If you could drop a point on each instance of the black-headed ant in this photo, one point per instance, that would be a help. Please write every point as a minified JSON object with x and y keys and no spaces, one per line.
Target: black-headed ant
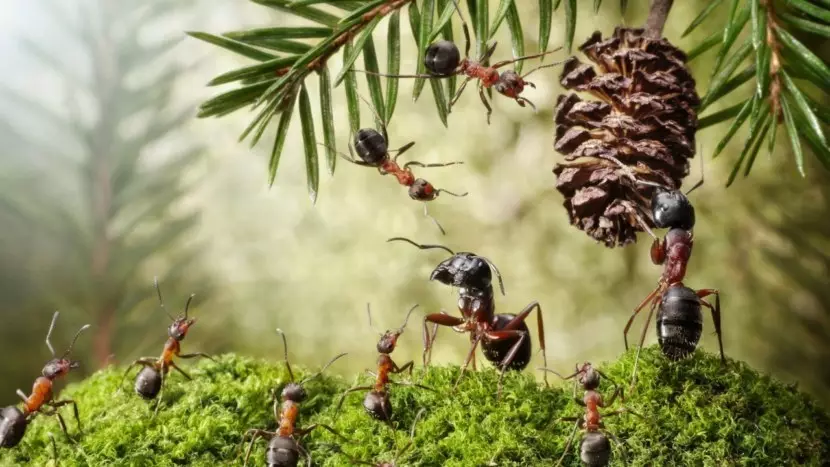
{"x":443,"y":60}
{"x":372,"y":147}
{"x":150,"y":380}
{"x":284,"y":449}
{"x":595,"y":448}
{"x":376,"y":402}
{"x":399,"y":452}
{"x":504,"y":337}
{"x":13,"y":421}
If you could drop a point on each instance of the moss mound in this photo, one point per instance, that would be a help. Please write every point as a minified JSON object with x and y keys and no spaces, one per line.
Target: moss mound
{"x":694,"y":413}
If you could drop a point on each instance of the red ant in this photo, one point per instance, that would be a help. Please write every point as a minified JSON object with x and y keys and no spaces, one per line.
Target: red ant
{"x":399,"y":452}
{"x":150,"y":380}
{"x":443,"y":60}
{"x":373,"y":150}
{"x":283,"y":449}
{"x":13,"y":421}
{"x":595,"y":447}
{"x":376,"y":402}
{"x":504,"y":337}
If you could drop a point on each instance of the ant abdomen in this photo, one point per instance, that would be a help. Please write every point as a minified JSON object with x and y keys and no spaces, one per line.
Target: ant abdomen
{"x":378,"y":405}
{"x":12,"y":426}
{"x":442,"y":58}
{"x":496,"y":351}
{"x":282,"y":452}
{"x":148,"y":383}
{"x":679,"y":322}
{"x":595,"y":449}
{"x":671,"y":208}
{"x":371,"y":146}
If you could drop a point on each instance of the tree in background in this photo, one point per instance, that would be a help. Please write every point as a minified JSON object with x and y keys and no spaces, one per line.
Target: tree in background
{"x":102,"y":211}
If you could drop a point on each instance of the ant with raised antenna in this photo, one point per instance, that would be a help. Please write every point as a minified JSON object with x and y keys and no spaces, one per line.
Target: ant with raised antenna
{"x":376,"y":402}
{"x":679,"y":317}
{"x":595,"y":448}
{"x":504,"y":337}
{"x":150,"y":380}
{"x":399,"y":451}
{"x":443,"y":60}
{"x":13,"y":421}
{"x":372,"y":148}
{"x":284,"y":449}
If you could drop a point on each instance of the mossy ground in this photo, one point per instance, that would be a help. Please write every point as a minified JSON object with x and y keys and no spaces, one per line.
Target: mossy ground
{"x":695,"y":413}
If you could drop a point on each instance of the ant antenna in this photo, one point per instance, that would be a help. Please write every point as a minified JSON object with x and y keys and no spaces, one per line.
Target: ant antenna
{"x":406,"y":320}
{"x":285,"y":350}
{"x":434,"y":220}
{"x":371,"y":324}
{"x":700,"y":182}
{"x":498,"y":274}
{"x":49,"y":333}
{"x":465,"y":28}
{"x":315,"y":375}
{"x":378,"y":120}
{"x":419,"y":246}
{"x":74,"y":339}
{"x":161,"y":302}
{"x":187,"y":305}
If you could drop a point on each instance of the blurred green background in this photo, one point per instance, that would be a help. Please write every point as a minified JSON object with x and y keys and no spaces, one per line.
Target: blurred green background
{"x":107,"y":180}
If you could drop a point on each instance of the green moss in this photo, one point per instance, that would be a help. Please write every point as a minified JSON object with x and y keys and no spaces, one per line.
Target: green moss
{"x":695,"y":413}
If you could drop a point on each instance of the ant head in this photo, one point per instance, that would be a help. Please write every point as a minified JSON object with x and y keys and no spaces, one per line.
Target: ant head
{"x":588,"y":377}
{"x":371,"y":146}
{"x":179,"y":327}
{"x":510,"y":84}
{"x":671,"y":208}
{"x":442,"y":58}
{"x":389,"y":339}
{"x":422,"y":190}
{"x":466,"y":270}
{"x":293,"y":392}
{"x":60,"y":366}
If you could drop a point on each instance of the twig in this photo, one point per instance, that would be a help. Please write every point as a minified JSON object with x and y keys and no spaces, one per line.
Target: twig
{"x":657,"y":17}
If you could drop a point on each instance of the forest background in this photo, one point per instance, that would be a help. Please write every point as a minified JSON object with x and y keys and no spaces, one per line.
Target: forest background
{"x":107,"y":180}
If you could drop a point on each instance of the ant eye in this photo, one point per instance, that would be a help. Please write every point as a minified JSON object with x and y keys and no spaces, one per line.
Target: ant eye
{"x":442,"y":58}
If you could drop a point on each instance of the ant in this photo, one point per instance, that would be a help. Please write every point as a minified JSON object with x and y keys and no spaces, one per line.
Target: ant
{"x":13,"y":421}
{"x":399,"y":452}
{"x":679,"y":317}
{"x":283,"y":449}
{"x":504,"y":338}
{"x":595,"y":447}
{"x":150,"y":380}
{"x":443,"y":60}
{"x":376,"y":402}
{"x":373,"y":149}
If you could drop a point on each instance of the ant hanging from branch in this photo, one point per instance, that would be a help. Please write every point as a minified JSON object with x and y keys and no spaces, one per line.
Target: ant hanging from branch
{"x":284,"y":448}
{"x":595,"y":448}
{"x":373,"y":150}
{"x":504,"y":338}
{"x":399,"y":452}
{"x":679,"y":317}
{"x":376,"y":402}
{"x":150,"y":380}
{"x":13,"y":421}
{"x":443,"y":60}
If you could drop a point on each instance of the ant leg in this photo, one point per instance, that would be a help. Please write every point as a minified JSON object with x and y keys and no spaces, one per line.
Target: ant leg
{"x":511,"y":354}
{"x":470,"y":355}
{"x":570,"y":439}
{"x":642,"y":340}
{"x":406,"y":366}
{"x":429,"y":340}
{"x":305,"y":453}
{"x":472,"y":338}
{"x":441,"y":190}
{"x":715,"y":315}
{"x":256,"y":434}
{"x":402,"y":150}
{"x":618,"y":391}
{"x":314,"y":426}
{"x":347,"y":392}
{"x":406,"y":383}
{"x":176,"y":367}
{"x":549,"y":65}
{"x":54,"y":447}
{"x":540,"y":324}
{"x":434,"y":220}
{"x":526,"y":57}
{"x":197,"y":354}
{"x":61,"y":403}
{"x":421,"y":164}
{"x":645,"y":302}
{"x":458,"y":93}
{"x":343,"y":156}
{"x":484,"y":101}
{"x":62,"y":424}
{"x":22,"y":395}
{"x":618,"y":441}
{"x":143,"y":361}
{"x":161,"y":393}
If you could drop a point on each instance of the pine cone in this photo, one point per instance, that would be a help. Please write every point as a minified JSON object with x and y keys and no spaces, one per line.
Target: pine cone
{"x":643,"y":126}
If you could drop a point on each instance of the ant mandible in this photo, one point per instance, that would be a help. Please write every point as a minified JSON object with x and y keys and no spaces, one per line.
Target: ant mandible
{"x":443,"y":60}
{"x":373,"y":149}
{"x":150,"y":380}
{"x":283,"y":449}
{"x":13,"y":421}
{"x":376,"y":402}
{"x":399,"y":451}
{"x":595,"y":448}
{"x":504,"y":337}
